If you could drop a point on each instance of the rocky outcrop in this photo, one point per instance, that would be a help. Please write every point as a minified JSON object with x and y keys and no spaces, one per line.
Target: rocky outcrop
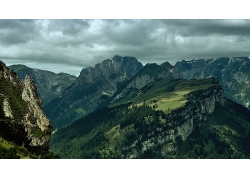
{"x":7,"y":108}
{"x":233,"y":74}
{"x":89,"y":90}
{"x":35,"y":112}
{"x":129,"y":65}
{"x":23,"y":106}
{"x":49,"y":85}
{"x":180,"y":125}
{"x":172,"y":71}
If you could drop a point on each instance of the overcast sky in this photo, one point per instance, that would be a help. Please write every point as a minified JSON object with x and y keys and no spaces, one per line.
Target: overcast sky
{"x":70,"y":45}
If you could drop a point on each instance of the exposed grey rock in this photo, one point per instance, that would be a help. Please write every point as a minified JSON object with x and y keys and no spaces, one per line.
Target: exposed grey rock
{"x":182,"y":124}
{"x":91,"y":88}
{"x":49,"y":85}
{"x":149,"y":73}
{"x":33,"y":119}
{"x":233,"y":75}
{"x":35,"y":111}
{"x":128,"y":64}
{"x":7,"y":108}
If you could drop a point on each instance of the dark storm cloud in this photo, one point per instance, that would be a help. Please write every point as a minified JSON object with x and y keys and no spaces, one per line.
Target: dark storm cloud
{"x":17,"y":31}
{"x":84,"y":43}
{"x":208,"y":27}
{"x":68,"y":27}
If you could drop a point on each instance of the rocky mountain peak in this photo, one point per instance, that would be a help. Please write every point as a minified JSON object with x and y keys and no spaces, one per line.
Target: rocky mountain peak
{"x":30,"y":86}
{"x":94,"y":85}
{"x":8,"y":74}
{"x":23,"y":106}
{"x":167,"y":65}
{"x":100,"y":70}
{"x":128,"y":64}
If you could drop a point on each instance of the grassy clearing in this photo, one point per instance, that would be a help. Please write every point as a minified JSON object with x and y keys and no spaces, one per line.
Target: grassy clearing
{"x":118,"y":137}
{"x":21,"y":151}
{"x":167,"y":101}
{"x":167,"y":95}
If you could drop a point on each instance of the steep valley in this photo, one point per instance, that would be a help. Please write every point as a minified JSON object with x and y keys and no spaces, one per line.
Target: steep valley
{"x":122,"y":109}
{"x":166,"y":118}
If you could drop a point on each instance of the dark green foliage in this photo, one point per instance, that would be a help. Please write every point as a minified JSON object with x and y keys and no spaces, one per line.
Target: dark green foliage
{"x":214,"y":139}
{"x":42,"y":152}
{"x":171,"y":87}
{"x":227,"y":126}
{"x":10,"y":153}
{"x":14,"y":138}
{"x":19,"y":106}
{"x":54,"y":108}
{"x":13,"y":131}
{"x":96,"y":124}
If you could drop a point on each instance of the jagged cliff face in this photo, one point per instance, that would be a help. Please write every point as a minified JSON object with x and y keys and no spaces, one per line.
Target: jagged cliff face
{"x":22,"y":105}
{"x":161,"y":122}
{"x":128,"y":65}
{"x":233,"y":74}
{"x":49,"y":85}
{"x":181,"y":124}
{"x":93,"y":84}
{"x":149,"y":73}
{"x":35,"y":112}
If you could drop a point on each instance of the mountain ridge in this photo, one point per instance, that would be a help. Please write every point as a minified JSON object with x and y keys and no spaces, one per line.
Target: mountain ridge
{"x":49,"y":84}
{"x":233,"y":74}
{"x":84,"y":94}
{"x":154,"y":127}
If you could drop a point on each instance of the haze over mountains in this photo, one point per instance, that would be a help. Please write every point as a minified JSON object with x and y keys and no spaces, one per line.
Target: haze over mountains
{"x":122,"y":109}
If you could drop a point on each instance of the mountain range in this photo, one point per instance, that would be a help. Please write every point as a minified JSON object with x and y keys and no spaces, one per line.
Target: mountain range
{"x":122,"y":109}
{"x":167,"y":118}
{"x":90,"y":88}
{"x":233,"y":74}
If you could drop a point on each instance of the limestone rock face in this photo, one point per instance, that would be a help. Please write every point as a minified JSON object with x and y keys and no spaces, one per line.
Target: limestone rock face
{"x":233,"y":75}
{"x":20,"y":103}
{"x":35,"y":111}
{"x":7,"y":108}
{"x":181,"y":125}
{"x":128,"y":64}
{"x":141,"y":81}
{"x":49,"y":85}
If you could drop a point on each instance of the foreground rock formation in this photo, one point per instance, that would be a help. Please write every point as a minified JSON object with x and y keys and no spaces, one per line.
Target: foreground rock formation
{"x":22,"y":113}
